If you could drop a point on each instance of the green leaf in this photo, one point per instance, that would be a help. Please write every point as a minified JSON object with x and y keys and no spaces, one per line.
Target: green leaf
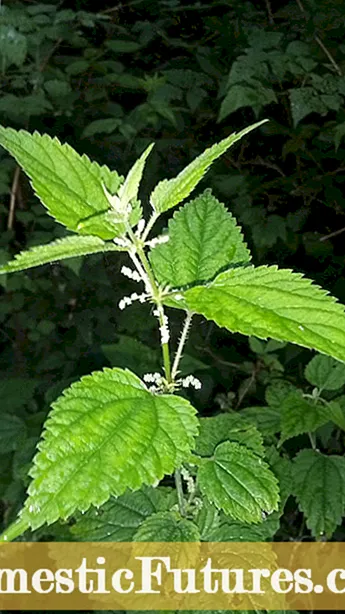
{"x":102,"y":126}
{"x":239,"y":482}
{"x":15,"y":393}
{"x":171,"y":192}
{"x":299,"y":415}
{"x":277,"y":391}
{"x":105,"y":434}
{"x":61,"y":249}
{"x":232,"y":531}
{"x":240,"y":96}
{"x":128,"y":192}
{"x":282,"y":469}
{"x":123,"y":46}
{"x":266,"y":419}
{"x":227,"y":427}
{"x":267,"y":302}
{"x":325,"y":373}
{"x":167,"y":527}
{"x":203,"y":239}
{"x":207,"y":520}
{"x":69,"y":185}
{"x":12,"y":432}
{"x":13,"y":46}
{"x":118,"y":519}
{"x":319,"y":486}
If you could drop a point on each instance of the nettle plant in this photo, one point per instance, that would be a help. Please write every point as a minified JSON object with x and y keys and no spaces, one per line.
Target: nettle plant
{"x":111,"y":433}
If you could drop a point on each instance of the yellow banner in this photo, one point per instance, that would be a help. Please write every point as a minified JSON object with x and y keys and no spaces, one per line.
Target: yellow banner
{"x":172,"y":576}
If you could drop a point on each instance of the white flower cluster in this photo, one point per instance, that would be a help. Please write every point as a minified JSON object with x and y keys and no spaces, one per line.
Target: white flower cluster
{"x":157,"y":241}
{"x":128,"y":272}
{"x":121,"y":242}
{"x":188,"y":479}
{"x":128,"y":300}
{"x":156,"y":379}
{"x":164,"y":328}
{"x":192,"y":381}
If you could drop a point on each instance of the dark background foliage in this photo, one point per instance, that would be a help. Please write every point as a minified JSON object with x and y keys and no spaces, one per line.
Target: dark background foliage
{"x":111,"y":78}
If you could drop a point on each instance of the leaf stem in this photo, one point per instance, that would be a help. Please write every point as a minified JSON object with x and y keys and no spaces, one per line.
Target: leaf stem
{"x":14,"y":530}
{"x":181,"y":344}
{"x":312,"y":440}
{"x":179,"y":491}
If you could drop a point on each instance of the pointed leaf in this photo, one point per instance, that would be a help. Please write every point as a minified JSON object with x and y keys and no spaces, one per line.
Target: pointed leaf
{"x":227,"y":427}
{"x":267,"y":302}
{"x":61,"y":249}
{"x":105,"y":434}
{"x":203,"y":239}
{"x":119,"y":518}
{"x":239,"y":482}
{"x":128,"y":192}
{"x":325,"y":373}
{"x":319,"y":486}
{"x":207,"y":520}
{"x":167,"y":527}
{"x":12,"y":432}
{"x":69,"y":185}
{"x":171,"y":192}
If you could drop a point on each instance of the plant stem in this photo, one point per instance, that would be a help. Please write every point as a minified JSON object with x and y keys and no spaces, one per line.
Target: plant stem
{"x":14,"y":530}
{"x":179,"y":490}
{"x":181,"y":344}
{"x":312,"y":440}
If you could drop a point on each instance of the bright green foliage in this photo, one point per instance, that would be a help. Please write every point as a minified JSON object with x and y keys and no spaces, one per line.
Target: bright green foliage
{"x":299,"y":415}
{"x":119,"y":518}
{"x":282,"y":469}
{"x":267,"y":302}
{"x":105,"y":434}
{"x":319,"y":486}
{"x":325,"y":373}
{"x":58,"y":250}
{"x":171,"y":192}
{"x":203,"y":239}
{"x":128,"y":192}
{"x":167,"y":527}
{"x":69,"y":185}
{"x":239,"y":482}
{"x":227,"y":427}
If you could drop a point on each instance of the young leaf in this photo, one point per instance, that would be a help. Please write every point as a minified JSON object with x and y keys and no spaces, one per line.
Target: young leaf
{"x":267,"y":302}
{"x":319,"y":486}
{"x":207,"y":520}
{"x":239,"y":482}
{"x":61,"y":249}
{"x":69,"y":185}
{"x":227,"y":427}
{"x":171,"y":192}
{"x":232,"y":531}
{"x":203,"y":239}
{"x":118,"y":519}
{"x":128,"y":192}
{"x":167,"y":527}
{"x":325,"y":373}
{"x":105,"y":434}
{"x":299,"y":415}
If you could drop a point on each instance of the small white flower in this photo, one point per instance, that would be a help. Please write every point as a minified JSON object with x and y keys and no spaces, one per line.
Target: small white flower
{"x":165,"y":334}
{"x":128,"y":272}
{"x":140,"y":226}
{"x":157,"y":241}
{"x":122,"y":242}
{"x":178,"y":297}
{"x":192,"y":381}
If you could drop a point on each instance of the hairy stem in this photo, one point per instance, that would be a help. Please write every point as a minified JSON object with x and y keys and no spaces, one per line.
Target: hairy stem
{"x":181,"y":344}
